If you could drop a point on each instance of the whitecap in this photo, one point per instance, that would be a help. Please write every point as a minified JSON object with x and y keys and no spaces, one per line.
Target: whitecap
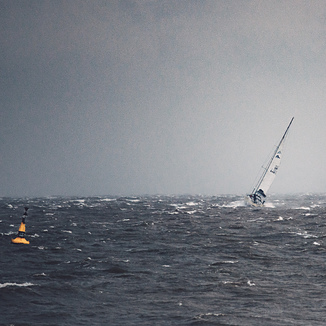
{"x":209,"y":314}
{"x":235,"y":204}
{"x":3,"y":285}
{"x":81,"y":201}
{"x":303,"y":207}
{"x":310,"y":214}
{"x":251,"y":283}
{"x":269,"y":205}
{"x":191,"y":203}
{"x":134,"y":200}
{"x":10,"y":233}
{"x":306,"y":235}
{"x":225,"y":262}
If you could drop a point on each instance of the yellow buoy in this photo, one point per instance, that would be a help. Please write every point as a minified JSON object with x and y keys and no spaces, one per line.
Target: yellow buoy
{"x":20,"y":240}
{"x":21,"y":232}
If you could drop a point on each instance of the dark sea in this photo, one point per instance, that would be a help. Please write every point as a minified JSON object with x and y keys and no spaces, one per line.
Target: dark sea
{"x":164,"y":260}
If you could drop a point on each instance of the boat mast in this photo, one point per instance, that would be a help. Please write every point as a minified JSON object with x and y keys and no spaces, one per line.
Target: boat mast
{"x":271,"y":160}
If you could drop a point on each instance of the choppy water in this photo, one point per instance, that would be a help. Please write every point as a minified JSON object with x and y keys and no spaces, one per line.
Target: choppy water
{"x":158,"y":260}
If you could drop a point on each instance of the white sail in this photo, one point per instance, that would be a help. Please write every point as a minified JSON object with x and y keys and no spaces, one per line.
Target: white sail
{"x":257,"y":197}
{"x":271,"y":172}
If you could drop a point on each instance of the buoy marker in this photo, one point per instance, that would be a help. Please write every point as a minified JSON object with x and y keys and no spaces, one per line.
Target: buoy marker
{"x":21,"y":232}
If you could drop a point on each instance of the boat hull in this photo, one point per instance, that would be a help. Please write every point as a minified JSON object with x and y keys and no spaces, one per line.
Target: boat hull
{"x":251,"y":203}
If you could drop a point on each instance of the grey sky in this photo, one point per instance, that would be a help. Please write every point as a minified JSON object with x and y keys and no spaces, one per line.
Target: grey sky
{"x":170,"y":97}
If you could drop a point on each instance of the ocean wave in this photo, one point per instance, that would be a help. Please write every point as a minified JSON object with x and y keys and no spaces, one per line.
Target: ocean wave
{"x":4,"y":285}
{"x":163,"y":260}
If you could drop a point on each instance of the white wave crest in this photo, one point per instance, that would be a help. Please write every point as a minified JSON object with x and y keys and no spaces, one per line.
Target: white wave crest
{"x":235,"y":204}
{"x":4,"y":285}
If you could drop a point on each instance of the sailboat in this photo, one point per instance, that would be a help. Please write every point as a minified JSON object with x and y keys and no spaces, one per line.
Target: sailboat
{"x":258,"y":195}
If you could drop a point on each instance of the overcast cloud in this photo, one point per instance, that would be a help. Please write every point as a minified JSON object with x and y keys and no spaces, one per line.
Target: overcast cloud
{"x":160,"y":97}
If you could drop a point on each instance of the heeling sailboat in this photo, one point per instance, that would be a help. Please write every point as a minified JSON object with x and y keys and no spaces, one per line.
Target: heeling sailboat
{"x":258,"y":195}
